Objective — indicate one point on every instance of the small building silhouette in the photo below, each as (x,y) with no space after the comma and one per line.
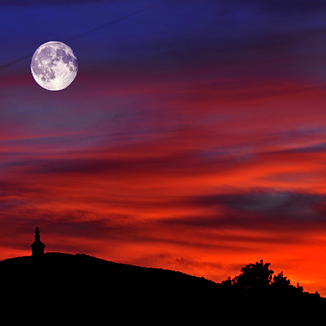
(37,246)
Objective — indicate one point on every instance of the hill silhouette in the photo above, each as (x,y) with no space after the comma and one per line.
(79,287)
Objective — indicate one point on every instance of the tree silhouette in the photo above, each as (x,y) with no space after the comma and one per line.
(254,277)
(281,282)
(258,279)
(228,282)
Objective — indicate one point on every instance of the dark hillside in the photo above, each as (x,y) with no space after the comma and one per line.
(80,286)
(87,284)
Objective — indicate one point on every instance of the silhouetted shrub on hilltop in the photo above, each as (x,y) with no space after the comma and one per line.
(257,280)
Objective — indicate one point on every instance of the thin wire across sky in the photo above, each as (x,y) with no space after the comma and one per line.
(86,33)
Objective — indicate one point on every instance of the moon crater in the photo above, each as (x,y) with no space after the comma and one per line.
(54,65)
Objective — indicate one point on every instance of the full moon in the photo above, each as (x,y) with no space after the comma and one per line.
(54,66)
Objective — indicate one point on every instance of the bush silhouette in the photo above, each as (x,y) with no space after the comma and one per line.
(281,284)
(254,277)
(280,281)
(258,278)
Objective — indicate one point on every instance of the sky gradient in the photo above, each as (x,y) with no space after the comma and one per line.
(193,137)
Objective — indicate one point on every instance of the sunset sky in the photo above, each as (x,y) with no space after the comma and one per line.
(193,137)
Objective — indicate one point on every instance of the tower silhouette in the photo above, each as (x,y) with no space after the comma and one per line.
(37,246)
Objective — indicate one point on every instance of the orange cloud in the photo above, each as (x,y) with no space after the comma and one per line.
(198,177)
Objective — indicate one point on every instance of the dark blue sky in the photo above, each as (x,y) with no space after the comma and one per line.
(176,33)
